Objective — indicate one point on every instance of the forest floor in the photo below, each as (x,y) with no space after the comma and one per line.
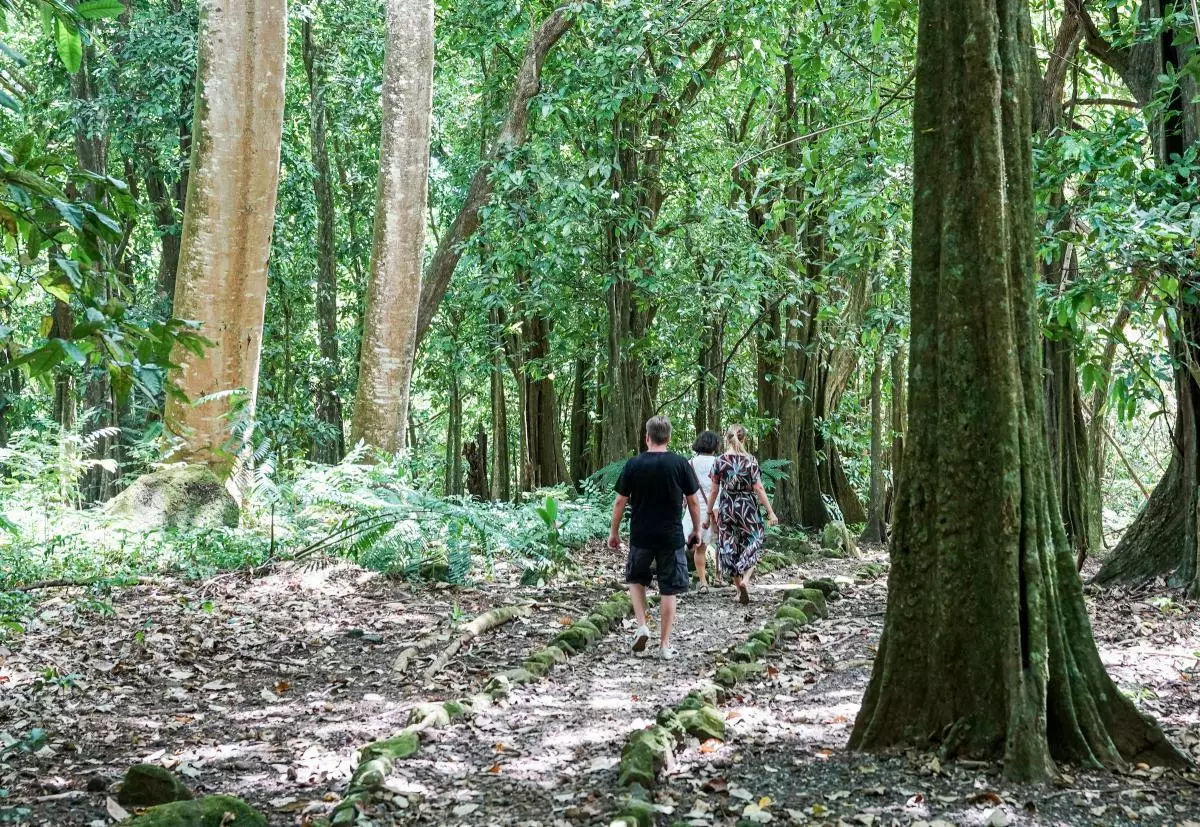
(265,687)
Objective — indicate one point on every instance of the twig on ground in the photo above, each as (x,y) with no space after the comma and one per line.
(79,584)
(485,622)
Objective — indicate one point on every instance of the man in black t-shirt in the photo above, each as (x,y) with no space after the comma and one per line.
(654,484)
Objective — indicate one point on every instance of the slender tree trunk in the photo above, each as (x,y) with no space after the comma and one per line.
(394,289)
(62,325)
(986,649)
(476,455)
(501,467)
(329,445)
(454,444)
(222,280)
(876,530)
(581,424)
(543,430)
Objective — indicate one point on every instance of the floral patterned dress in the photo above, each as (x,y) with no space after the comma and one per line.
(742,529)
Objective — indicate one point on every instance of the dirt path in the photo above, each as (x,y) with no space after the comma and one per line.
(265,689)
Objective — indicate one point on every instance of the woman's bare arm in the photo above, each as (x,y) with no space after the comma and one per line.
(761,493)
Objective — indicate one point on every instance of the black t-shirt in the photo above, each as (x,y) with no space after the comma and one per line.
(656,483)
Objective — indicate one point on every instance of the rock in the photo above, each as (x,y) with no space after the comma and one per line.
(210,811)
(96,784)
(767,635)
(637,812)
(825,587)
(644,754)
(704,723)
(536,668)
(396,748)
(816,598)
(181,496)
(436,714)
(518,676)
(837,540)
(148,785)
(749,651)
(791,611)
(600,621)
(454,709)
(734,673)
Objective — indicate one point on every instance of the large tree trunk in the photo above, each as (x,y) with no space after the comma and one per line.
(899,419)
(393,291)
(329,444)
(986,648)
(544,432)
(501,466)
(512,134)
(1172,132)
(222,280)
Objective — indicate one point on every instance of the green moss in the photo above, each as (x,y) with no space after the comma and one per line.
(767,636)
(669,720)
(498,686)
(601,622)
(147,785)
(210,811)
(643,756)
(791,611)
(535,668)
(705,696)
(454,709)
(817,598)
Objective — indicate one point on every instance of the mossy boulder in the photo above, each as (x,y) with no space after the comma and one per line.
(396,748)
(644,755)
(148,785)
(436,714)
(699,698)
(768,636)
(668,719)
(704,723)
(837,541)
(210,811)
(817,598)
(181,496)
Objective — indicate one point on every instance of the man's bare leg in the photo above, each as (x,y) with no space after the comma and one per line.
(666,610)
(637,595)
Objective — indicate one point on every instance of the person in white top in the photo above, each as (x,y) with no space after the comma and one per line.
(704,449)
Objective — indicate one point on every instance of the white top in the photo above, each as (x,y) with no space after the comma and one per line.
(702,464)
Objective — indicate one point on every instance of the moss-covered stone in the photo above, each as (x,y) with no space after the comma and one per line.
(637,812)
(551,655)
(601,622)
(817,598)
(751,650)
(148,785)
(181,496)
(703,723)
(668,719)
(210,811)
(768,636)
(535,668)
(455,709)
(435,714)
(825,587)
(837,541)
(519,676)
(705,696)
(734,673)
(498,686)
(790,611)
(644,755)
(396,748)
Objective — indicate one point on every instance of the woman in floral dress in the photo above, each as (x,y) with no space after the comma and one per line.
(737,480)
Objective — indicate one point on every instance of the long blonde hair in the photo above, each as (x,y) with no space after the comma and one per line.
(735,439)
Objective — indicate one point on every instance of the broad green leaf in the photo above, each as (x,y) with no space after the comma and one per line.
(70,46)
(98,9)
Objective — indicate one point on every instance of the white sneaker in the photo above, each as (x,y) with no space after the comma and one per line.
(668,653)
(640,638)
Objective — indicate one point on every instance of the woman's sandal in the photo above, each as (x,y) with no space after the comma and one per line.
(703,588)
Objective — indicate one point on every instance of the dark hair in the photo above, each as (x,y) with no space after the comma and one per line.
(706,443)
(658,429)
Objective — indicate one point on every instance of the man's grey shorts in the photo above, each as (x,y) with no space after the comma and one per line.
(669,564)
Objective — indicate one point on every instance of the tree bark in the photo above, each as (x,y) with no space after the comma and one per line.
(476,455)
(512,134)
(454,445)
(329,444)
(227,224)
(394,288)
(501,467)
(899,427)
(986,648)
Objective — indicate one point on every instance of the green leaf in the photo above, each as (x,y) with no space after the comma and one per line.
(98,9)
(9,102)
(70,213)
(70,46)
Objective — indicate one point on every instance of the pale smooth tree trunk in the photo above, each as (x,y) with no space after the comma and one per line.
(394,287)
(230,212)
